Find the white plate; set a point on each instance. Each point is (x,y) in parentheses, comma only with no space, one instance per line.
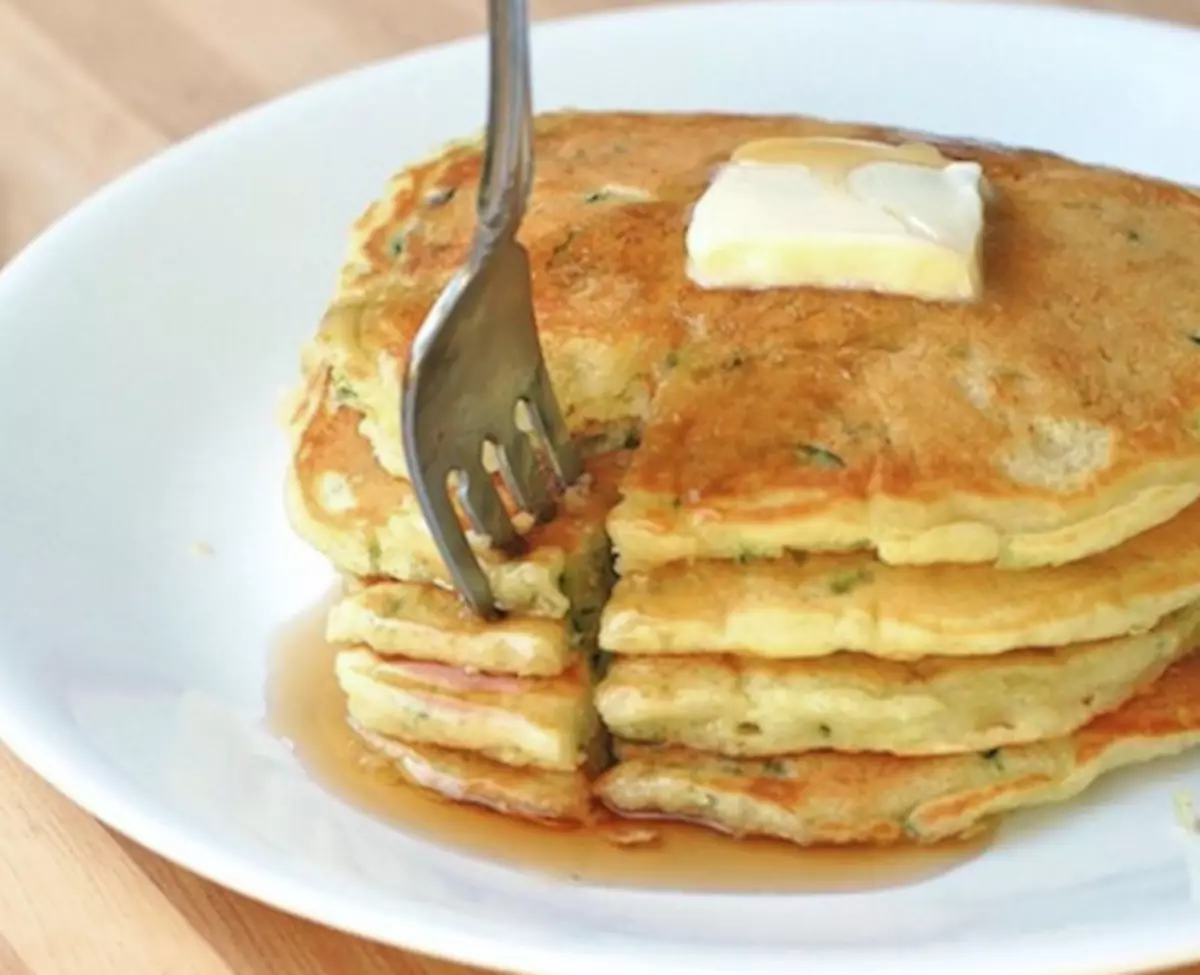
(143,343)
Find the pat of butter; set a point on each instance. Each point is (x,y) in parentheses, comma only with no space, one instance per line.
(841,213)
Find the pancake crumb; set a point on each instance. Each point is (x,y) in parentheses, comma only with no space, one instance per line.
(200,549)
(1185,812)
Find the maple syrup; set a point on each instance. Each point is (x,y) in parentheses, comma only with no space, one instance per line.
(834,157)
(306,708)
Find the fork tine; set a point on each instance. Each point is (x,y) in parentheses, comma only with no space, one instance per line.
(547,420)
(523,475)
(479,499)
(465,570)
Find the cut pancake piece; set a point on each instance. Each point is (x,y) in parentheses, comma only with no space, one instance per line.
(406,246)
(525,793)
(542,721)
(852,702)
(425,622)
(830,797)
(599,424)
(421,621)
(799,606)
(368,523)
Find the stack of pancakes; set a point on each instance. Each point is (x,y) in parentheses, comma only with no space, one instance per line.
(834,697)
(887,567)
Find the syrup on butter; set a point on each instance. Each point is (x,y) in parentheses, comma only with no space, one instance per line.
(834,157)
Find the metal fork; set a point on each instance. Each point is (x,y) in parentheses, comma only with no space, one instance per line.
(476,359)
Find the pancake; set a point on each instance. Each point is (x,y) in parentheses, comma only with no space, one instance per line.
(1052,419)
(368,523)
(734,463)
(829,797)
(546,722)
(425,622)
(852,702)
(421,621)
(803,607)
(523,793)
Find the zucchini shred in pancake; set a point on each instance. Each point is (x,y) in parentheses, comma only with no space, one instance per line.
(847,524)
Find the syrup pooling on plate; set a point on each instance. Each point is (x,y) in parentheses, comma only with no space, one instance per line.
(307,708)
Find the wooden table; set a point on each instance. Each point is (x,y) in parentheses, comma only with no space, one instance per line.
(87,89)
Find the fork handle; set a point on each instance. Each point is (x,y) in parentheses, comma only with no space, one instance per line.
(508,153)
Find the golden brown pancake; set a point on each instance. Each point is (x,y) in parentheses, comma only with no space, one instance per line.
(524,793)
(829,797)
(426,622)
(546,722)
(799,606)
(852,702)
(421,621)
(1053,418)
(368,522)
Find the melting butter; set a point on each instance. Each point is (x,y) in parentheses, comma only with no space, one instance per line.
(841,213)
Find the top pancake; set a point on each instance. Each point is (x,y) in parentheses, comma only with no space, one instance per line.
(1053,418)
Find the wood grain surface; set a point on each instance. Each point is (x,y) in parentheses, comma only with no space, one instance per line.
(87,89)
